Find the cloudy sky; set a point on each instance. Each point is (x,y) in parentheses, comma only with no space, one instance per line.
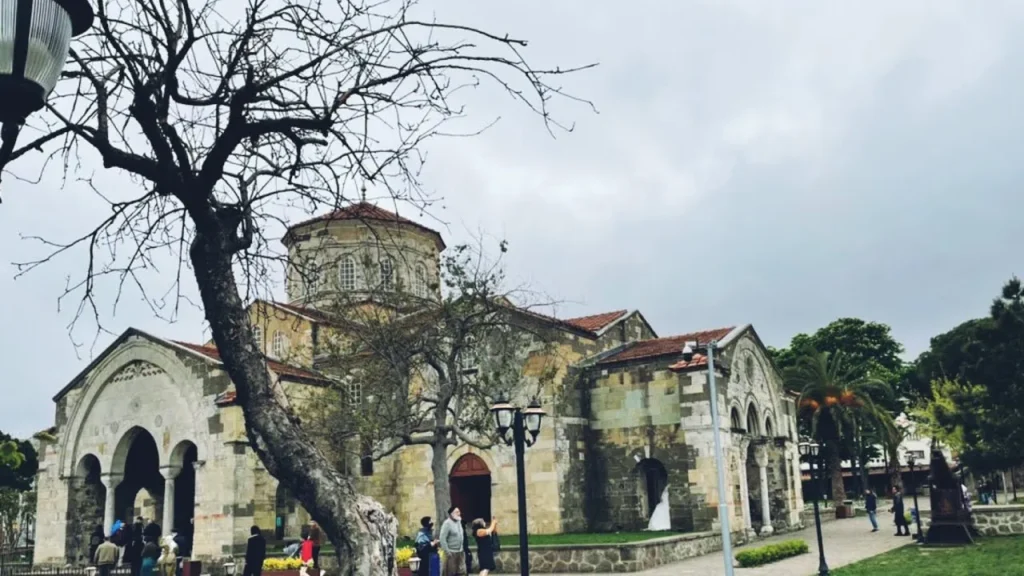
(780,163)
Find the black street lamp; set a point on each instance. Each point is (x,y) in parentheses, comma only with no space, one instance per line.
(510,417)
(811,452)
(35,37)
(911,461)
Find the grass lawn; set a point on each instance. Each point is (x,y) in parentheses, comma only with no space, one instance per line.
(990,557)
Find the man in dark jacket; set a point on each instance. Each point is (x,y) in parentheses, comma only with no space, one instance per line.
(871,507)
(902,529)
(255,552)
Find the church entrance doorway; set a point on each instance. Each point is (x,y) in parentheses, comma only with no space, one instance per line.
(652,480)
(141,492)
(470,484)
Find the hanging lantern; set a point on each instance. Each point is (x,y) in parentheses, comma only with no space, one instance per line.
(35,36)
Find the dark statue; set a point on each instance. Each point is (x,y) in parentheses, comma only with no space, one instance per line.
(951,522)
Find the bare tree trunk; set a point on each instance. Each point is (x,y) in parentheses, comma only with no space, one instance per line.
(442,485)
(362,531)
(835,462)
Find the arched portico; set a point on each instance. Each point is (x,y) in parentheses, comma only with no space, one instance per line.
(86,498)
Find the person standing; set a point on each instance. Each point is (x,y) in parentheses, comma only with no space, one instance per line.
(94,543)
(168,561)
(150,554)
(485,536)
(451,538)
(426,546)
(255,552)
(871,506)
(105,557)
(316,536)
(902,529)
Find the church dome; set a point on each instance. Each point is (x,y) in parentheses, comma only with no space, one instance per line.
(358,250)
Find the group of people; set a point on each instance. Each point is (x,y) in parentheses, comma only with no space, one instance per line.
(139,546)
(897,509)
(453,540)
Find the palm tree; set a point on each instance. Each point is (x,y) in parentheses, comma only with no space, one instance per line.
(832,400)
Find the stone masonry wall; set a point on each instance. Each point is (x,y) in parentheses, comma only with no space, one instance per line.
(634,417)
(999,520)
(631,557)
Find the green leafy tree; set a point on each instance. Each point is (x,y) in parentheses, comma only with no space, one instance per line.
(835,396)
(868,347)
(17,515)
(18,463)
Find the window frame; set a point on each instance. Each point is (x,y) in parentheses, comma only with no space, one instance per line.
(282,338)
(346,261)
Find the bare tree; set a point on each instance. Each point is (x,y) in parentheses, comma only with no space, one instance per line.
(222,116)
(425,370)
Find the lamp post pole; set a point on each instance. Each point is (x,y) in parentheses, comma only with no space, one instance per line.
(822,565)
(810,451)
(723,505)
(519,439)
(525,426)
(917,510)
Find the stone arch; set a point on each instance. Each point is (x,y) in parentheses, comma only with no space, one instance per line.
(86,497)
(136,461)
(182,472)
(735,420)
(769,428)
(134,350)
(753,421)
(290,518)
(652,481)
(470,486)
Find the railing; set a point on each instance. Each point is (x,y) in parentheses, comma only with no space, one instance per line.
(18,562)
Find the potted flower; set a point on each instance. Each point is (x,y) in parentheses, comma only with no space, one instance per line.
(407,561)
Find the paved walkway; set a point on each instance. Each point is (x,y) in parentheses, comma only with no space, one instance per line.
(846,541)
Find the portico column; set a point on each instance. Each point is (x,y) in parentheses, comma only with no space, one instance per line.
(748,524)
(761,455)
(110,482)
(169,473)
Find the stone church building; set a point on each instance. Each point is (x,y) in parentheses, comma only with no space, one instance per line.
(151,426)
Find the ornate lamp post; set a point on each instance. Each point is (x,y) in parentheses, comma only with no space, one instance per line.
(509,417)
(911,462)
(708,349)
(35,36)
(810,451)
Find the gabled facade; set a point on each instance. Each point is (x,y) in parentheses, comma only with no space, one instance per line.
(629,425)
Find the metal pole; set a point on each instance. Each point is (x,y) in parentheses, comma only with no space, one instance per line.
(519,435)
(723,505)
(917,509)
(822,566)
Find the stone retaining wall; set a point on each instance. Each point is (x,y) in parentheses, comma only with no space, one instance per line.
(999,520)
(631,557)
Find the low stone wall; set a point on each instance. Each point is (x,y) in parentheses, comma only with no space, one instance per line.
(807,516)
(631,557)
(999,520)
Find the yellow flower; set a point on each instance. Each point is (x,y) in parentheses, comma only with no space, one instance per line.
(403,555)
(281,564)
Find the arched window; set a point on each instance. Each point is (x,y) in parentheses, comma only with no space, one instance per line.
(419,281)
(769,430)
(387,273)
(279,346)
(752,427)
(257,334)
(347,273)
(734,420)
(310,279)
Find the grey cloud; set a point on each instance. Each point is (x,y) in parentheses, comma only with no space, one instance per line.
(775,163)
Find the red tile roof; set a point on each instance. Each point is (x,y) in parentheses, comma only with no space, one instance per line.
(596,322)
(664,346)
(278,368)
(365,211)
